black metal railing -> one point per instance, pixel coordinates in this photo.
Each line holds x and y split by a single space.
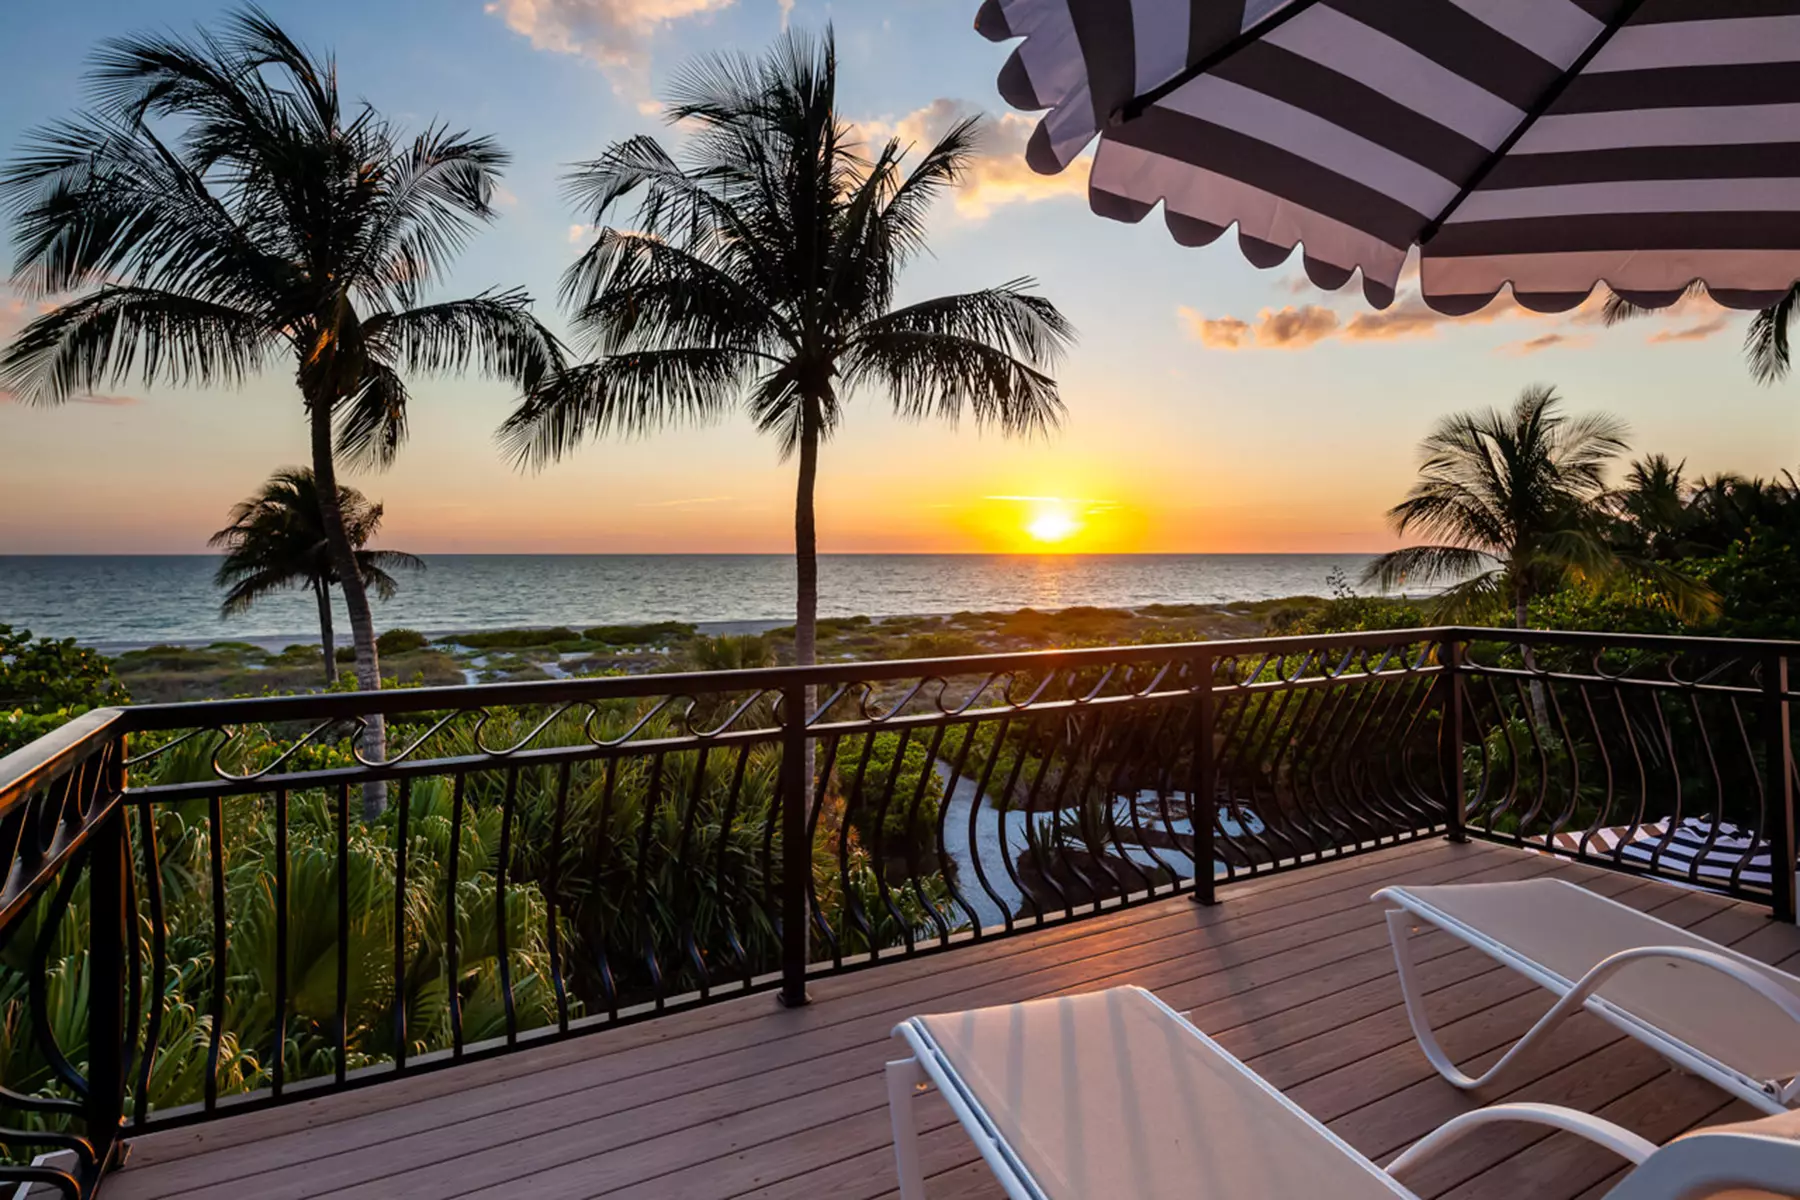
223 905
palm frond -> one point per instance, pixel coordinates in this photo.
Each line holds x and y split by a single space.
1426 566
1766 340
107 336
627 394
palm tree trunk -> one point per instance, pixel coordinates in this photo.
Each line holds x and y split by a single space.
356 597
806 552
1540 701
806 575
327 637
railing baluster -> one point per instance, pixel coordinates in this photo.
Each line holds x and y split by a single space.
281 937
341 1011
402 842
215 827
1778 786
1450 737
501 867
452 907
1203 793
552 897
796 852
111 924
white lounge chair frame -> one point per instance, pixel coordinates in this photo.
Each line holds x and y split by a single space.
1687 1167
1771 1096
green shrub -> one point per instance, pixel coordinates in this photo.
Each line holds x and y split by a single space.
45 682
401 641
655 633
512 639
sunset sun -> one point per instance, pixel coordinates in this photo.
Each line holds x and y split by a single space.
1052 525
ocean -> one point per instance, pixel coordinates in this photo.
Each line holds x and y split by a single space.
117 602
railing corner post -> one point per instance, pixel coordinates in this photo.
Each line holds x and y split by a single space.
1450 737
1203 804
796 854
109 927
1779 760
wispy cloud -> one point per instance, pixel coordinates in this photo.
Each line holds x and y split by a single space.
1697 332
1287 328
614 35
1296 328
1546 341
997 174
683 502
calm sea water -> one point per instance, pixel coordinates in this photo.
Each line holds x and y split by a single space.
120 601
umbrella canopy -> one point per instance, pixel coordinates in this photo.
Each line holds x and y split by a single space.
1549 144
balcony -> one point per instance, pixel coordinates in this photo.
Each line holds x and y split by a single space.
566 984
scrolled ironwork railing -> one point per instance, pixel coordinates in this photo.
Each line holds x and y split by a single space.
222 905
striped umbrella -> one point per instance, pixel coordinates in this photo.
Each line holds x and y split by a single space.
1549 144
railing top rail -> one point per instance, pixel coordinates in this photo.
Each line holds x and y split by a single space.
31 766
329 705
346 705
1620 641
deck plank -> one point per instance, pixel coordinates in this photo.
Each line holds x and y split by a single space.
1292 973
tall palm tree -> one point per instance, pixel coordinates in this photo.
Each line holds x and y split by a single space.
276 541
760 273
1511 503
219 208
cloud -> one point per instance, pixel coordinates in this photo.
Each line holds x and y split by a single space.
1697 332
996 174
1286 328
104 400
1545 341
612 34
578 232
684 502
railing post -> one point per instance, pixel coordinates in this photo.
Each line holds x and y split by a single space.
1778 757
1204 799
1450 736
796 854
109 926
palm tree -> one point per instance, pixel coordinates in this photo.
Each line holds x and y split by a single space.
1652 507
1511 501
276 541
1765 338
218 208
760 273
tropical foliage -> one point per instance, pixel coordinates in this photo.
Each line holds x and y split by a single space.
759 273
277 541
46 682
1516 503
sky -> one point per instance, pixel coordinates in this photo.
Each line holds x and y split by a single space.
1212 406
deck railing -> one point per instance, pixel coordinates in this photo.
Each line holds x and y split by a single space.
215 906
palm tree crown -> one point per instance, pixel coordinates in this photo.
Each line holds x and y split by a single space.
276 541
760 273
1510 503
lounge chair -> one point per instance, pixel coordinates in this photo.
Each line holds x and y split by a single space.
1707 1009
1113 1096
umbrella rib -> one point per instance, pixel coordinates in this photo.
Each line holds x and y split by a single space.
1134 107
1550 97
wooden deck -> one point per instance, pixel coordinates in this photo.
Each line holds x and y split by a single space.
744 1099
